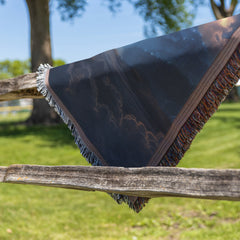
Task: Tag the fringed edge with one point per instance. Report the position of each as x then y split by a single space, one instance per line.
42 88
208 105
217 92
137 205
89 155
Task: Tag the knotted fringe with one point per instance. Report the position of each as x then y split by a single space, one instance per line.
41 87
89 155
137 205
217 92
208 105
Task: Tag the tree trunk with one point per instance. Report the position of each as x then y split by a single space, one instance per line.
40 53
220 11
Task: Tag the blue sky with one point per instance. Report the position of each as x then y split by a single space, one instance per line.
96 31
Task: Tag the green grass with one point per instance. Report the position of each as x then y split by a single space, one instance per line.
33 212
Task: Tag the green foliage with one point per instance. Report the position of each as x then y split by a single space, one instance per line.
9 69
4 75
167 15
34 212
58 62
13 68
71 8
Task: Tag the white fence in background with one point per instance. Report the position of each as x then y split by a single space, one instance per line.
12 107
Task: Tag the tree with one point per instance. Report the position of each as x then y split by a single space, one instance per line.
221 10
40 53
168 15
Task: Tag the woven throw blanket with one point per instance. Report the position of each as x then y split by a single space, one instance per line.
142 104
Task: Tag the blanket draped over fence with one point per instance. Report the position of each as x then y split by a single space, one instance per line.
142 104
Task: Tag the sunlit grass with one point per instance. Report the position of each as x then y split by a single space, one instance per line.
32 212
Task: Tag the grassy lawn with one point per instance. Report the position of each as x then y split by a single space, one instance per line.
32 212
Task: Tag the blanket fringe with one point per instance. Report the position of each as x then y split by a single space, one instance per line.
217 92
87 154
137 205
208 105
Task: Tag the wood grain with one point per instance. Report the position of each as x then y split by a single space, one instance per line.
143 182
24 86
146 182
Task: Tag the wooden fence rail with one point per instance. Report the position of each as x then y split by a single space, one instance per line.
146 182
24 86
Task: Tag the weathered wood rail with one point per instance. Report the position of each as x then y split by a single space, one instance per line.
147 182
24 86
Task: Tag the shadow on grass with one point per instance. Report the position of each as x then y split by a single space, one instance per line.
57 135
